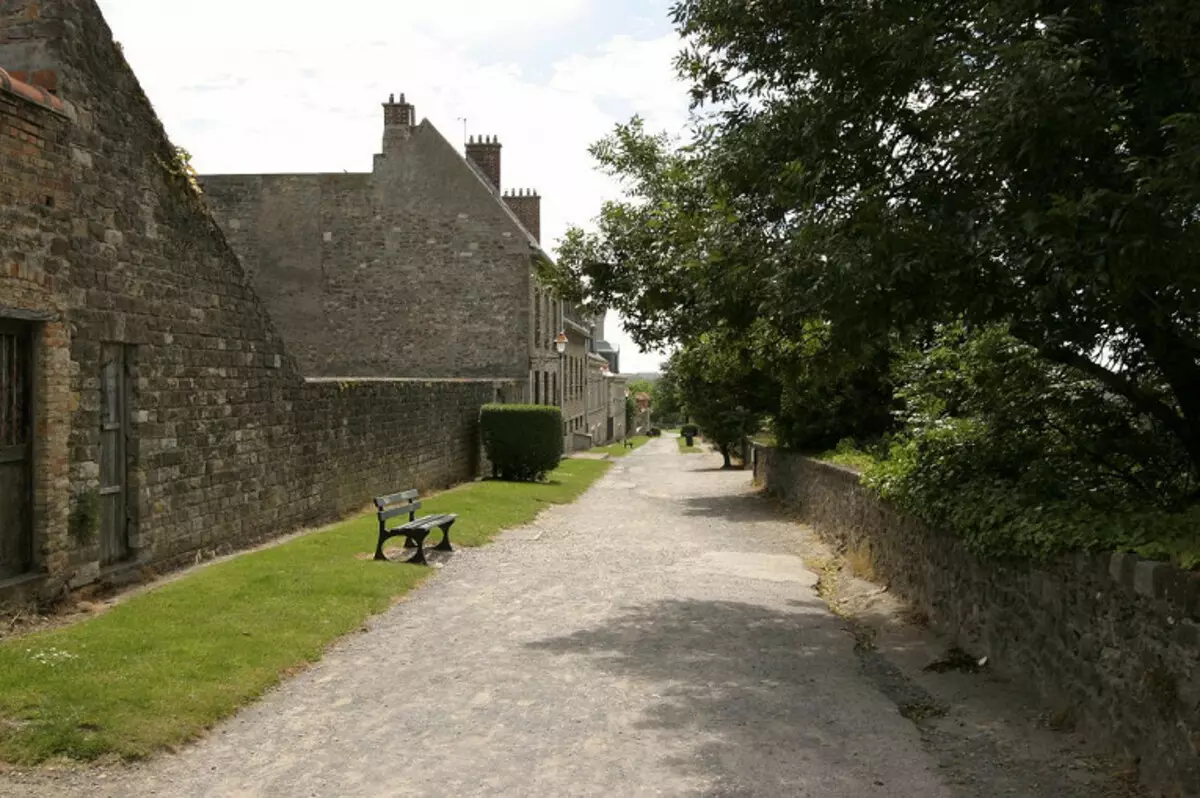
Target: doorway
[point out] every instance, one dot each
(114, 426)
(16, 448)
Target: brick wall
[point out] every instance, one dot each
(1113, 638)
(35, 225)
(227, 443)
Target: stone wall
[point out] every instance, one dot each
(102, 244)
(1113, 638)
(416, 269)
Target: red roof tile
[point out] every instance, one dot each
(34, 94)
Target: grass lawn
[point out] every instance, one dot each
(685, 449)
(163, 666)
(618, 450)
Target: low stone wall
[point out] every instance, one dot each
(1113, 638)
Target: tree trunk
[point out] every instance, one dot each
(725, 454)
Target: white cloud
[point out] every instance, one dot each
(269, 86)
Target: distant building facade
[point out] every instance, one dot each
(425, 266)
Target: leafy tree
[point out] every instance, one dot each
(722, 393)
(641, 386)
(668, 404)
(1035, 165)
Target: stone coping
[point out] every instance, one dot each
(1175, 591)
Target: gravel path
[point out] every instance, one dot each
(655, 638)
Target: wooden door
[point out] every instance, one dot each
(114, 523)
(16, 449)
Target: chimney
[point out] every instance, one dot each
(526, 205)
(485, 153)
(398, 121)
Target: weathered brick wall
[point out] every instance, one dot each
(34, 232)
(1114, 638)
(228, 444)
(413, 270)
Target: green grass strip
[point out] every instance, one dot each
(160, 668)
(620, 450)
(685, 449)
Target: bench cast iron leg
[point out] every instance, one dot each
(409, 544)
(419, 557)
(445, 544)
(379, 555)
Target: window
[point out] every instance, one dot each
(546, 386)
(537, 388)
(537, 316)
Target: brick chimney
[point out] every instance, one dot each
(485, 153)
(526, 205)
(398, 121)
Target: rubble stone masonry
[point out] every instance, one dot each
(103, 241)
(1112, 639)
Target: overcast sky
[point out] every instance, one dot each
(251, 86)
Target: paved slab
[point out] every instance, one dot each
(654, 638)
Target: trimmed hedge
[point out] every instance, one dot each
(524, 442)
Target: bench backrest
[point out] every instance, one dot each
(398, 504)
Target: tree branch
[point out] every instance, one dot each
(1143, 400)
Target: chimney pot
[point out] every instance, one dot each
(484, 152)
(398, 121)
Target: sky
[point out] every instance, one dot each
(259, 86)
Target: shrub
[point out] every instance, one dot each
(523, 442)
(689, 429)
(1025, 458)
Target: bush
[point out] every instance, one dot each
(1025, 458)
(524, 442)
(654, 432)
(689, 429)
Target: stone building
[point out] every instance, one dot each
(417, 268)
(153, 412)
(424, 266)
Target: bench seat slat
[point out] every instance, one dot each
(426, 522)
(403, 496)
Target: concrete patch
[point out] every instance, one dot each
(748, 565)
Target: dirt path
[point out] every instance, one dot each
(662, 636)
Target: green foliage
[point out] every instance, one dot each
(721, 392)
(523, 442)
(1032, 165)
(162, 666)
(1024, 457)
(847, 453)
(641, 385)
(84, 521)
(668, 404)
(972, 227)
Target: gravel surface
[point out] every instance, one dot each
(661, 636)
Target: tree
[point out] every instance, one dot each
(721, 392)
(641, 385)
(1035, 165)
(668, 404)
(869, 171)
